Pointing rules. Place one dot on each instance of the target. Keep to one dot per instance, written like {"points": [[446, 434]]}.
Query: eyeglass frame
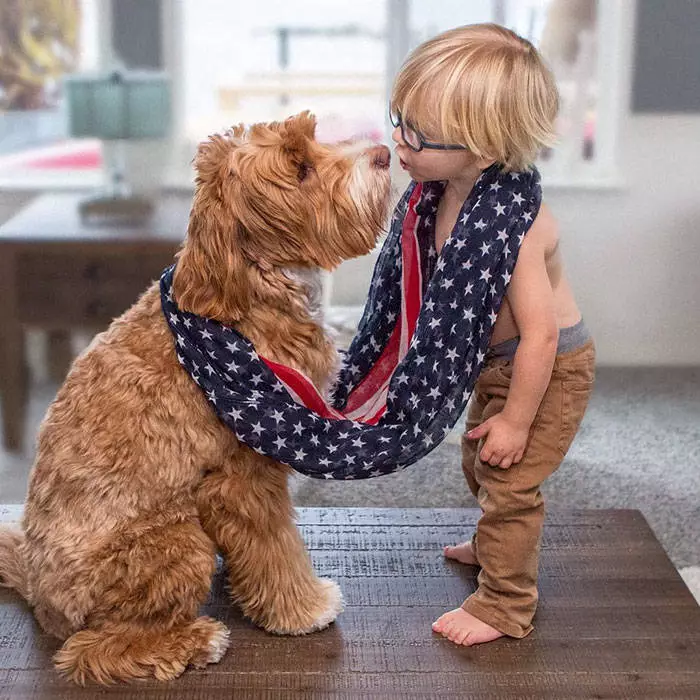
{"points": [[399, 123]]}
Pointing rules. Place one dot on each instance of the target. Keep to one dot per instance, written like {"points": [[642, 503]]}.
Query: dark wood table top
{"points": [[615, 621], [54, 218]]}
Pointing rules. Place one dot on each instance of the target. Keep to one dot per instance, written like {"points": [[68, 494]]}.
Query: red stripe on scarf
{"points": [[367, 402]]}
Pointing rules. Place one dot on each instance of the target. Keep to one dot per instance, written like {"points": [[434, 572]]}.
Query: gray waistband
{"points": [[570, 338]]}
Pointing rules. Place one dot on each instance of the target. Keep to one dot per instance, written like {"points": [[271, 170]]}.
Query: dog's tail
{"points": [[126, 651], [12, 570]]}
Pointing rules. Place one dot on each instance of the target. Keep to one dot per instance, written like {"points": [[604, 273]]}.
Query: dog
{"points": [[137, 484]]}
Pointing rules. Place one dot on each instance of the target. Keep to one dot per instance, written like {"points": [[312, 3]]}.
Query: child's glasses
{"points": [[415, 141]]}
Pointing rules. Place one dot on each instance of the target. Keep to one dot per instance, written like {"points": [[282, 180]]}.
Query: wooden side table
{"points": [[57, 273]]}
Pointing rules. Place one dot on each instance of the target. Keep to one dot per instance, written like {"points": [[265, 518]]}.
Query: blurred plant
{"points": [[39, 42]]}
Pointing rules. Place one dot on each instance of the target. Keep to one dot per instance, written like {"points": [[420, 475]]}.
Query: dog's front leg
{"points": [[246, 509]]}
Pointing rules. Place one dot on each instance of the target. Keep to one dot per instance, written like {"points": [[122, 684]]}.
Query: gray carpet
{"points": [[639, 447]]}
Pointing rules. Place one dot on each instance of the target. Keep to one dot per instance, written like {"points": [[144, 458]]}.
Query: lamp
{"points": [[119, 106]]}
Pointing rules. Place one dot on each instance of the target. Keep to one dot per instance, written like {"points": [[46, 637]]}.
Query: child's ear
{"points": [[484, 163]]}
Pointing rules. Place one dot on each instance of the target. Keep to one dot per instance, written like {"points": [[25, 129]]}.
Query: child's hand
{"points": [[505, 441]]}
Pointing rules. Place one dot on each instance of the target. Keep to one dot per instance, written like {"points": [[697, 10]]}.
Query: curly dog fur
{"points": [[136, 483]]}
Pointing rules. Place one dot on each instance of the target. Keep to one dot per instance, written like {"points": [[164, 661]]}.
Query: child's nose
{"points": [[396, 136]]}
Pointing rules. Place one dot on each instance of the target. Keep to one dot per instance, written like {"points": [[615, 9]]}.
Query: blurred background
{"points": [[622, 181]]}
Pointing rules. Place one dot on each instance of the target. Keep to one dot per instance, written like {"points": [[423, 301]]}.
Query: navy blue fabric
{"points": [[463, 290]]}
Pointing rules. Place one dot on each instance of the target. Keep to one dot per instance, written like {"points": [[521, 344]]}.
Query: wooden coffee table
{"points": [[615, 621], [57, 273]]}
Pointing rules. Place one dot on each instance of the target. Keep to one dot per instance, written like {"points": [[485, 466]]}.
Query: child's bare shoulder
{"points": [[544, 232]]}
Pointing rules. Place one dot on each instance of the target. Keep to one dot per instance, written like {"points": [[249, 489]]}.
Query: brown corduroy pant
{"points": [[507, 539]]}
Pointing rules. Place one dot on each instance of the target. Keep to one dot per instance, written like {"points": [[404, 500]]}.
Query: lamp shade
{"points": [[119, 105]]}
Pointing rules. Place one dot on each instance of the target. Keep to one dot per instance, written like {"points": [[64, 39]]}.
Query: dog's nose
{"points": [[380, 157]]}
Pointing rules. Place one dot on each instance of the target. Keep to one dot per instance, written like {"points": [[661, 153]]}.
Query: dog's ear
{"points": [[296, 132], [211, 277]]}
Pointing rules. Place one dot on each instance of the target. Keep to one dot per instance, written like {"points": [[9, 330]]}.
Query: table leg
{"points": [[14, 375], [59, 354]]}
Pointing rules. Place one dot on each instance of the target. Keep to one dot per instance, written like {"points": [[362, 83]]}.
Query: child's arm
{"points": [[532, 302]]}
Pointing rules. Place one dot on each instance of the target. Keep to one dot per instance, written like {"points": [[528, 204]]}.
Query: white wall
{"points": [[632, 253]]}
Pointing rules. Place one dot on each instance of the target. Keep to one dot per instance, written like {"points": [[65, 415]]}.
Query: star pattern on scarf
{"points": [[463, 288]]}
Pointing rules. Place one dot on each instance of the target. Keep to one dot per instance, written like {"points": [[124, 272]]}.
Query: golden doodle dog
{"points": [[137, 484]]}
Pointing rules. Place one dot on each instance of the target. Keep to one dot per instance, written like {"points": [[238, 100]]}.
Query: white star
{"points": [[434, 323], [447, 283], [315, 441], [468, 314], [280, 442], [277, 416], [428, 440], [298, 428], [495, 187], [500, 209], [485, 248], [232, 366], [460, 243], [235, 414], [485, 275], [257, 428], [464, 219], [174, 319], [180, 341], [493, 317], [434, 393], [450, 404], [402, 379], [506, 277], [502, 235], [452, 354], [187, 322], [206, 334], [480, 224], [527, 216], [231, 347], [518, 198], [420, 359], [299, 454], [209, 369], [430, 305]]}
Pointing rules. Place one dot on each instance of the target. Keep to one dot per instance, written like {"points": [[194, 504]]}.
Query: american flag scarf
{"points": [[413, 363]]}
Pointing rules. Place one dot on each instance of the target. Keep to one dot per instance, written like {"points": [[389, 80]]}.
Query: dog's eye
{"points": [[304, 170]]}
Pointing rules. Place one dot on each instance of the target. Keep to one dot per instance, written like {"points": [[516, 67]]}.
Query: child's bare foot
{"points": [[462, 553], [462, 628]]}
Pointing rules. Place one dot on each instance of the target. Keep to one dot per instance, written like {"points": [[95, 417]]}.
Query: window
{"points": [[40, 42], [243, 62], [247, 62]]}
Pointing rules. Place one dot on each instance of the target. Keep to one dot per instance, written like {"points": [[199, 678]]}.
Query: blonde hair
{"points": [[481, 86]]}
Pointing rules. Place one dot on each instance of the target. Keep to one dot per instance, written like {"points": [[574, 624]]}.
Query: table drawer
{"points": [[85, 289]]}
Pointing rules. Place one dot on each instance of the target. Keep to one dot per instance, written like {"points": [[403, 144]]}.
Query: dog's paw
{"points": [[334, 603], [218, 644]]}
